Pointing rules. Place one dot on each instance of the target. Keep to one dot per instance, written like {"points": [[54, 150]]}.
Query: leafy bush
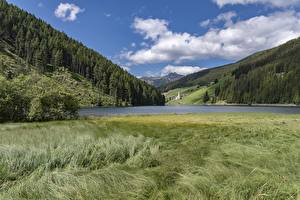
{"points": [[14, 106], [46, 100], [54, 106]]}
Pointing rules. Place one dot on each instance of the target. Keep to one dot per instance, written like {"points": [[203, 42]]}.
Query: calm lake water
{"points": [[101, 111]]}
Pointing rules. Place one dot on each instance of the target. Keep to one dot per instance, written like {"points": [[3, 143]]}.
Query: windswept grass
{"points": [[212, 156]]}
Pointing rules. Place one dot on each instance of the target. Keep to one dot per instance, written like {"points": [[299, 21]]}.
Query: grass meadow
{"points": [[203, 156]]}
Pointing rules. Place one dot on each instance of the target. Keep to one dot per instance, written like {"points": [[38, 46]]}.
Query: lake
{"points": [[145, 110]]}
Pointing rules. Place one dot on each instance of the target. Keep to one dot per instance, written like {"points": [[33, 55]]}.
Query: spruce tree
{"points": [[58, 58], [206, 97]]}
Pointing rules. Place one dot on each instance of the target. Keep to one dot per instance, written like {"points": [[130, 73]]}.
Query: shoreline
{"points": [[260, 105], [242, 105]]}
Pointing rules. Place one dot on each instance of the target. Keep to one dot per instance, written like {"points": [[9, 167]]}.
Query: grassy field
{"points": [[207, 156], [190, 95]]}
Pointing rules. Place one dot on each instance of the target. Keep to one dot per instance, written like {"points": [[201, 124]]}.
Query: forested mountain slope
{"points": [[14, 68], [267, 77], [28, 95], [272, 76], [49, 50], [199, 78]]}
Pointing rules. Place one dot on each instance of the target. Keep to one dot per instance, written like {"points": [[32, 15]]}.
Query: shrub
{"points": [[54, 106], [14, 105], [45, 101]]}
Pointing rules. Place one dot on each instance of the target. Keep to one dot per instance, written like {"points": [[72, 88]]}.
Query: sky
{"points": [[157, 37]]}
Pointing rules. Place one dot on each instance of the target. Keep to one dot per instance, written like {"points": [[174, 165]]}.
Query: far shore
{"points": [[217, 104], [232, 104], [258, 105]]}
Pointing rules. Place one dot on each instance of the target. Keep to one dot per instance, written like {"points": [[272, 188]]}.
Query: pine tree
{"points": [[206, 97], [39, 61], [58, 58]]}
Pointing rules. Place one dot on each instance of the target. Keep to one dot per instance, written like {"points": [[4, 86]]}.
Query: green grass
{"points": [[207, 156], [190, 95], [187, 90]]}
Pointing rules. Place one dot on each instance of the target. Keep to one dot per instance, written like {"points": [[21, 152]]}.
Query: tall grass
{"points": [[77, 167], [213, 156]]}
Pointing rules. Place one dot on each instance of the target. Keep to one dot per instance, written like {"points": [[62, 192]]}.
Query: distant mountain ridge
{"points": [[161, 80], [267, 77]]}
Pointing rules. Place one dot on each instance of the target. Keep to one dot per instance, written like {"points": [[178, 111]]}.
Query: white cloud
{"points": [[223, 17], [205, 23], [67, 12], [125, 68], [144, 44], [150, 28], [182, 70], [226, 17], [234, 42], [274, 3]]}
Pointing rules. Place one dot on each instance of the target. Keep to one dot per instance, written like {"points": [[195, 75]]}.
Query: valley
{"points": [[159, 115]]}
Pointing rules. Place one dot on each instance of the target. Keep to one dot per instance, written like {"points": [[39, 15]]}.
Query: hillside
{"points": [[267, 77], [162, 80], [39, 48], [13, 67], [199, 78], [188, 95]]}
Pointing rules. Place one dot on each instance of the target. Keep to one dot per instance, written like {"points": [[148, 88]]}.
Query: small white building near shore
{"points": [[179, 97]]}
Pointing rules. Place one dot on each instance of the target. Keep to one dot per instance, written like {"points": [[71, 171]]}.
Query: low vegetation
{"points": [[211, 156], [45, 101]]}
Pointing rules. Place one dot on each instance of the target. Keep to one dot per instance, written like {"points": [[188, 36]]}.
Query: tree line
{"points": [[46, 48], [270, 77]]}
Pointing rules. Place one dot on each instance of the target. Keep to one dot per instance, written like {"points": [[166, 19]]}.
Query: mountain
{"points": [[201, 78], [35, 45], [267, 77], [161, 80], [13, 68]]}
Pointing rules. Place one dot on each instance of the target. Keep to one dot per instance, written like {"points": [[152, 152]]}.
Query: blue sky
{"points": [[161, 36]]}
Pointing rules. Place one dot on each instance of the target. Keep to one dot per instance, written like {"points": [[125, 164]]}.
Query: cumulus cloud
{"points": [[226, 17], [223, 17], [236, 41], [205, 23], [125, 68], [182, 70], [274, 3], [67, 11], [150, 28]]}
